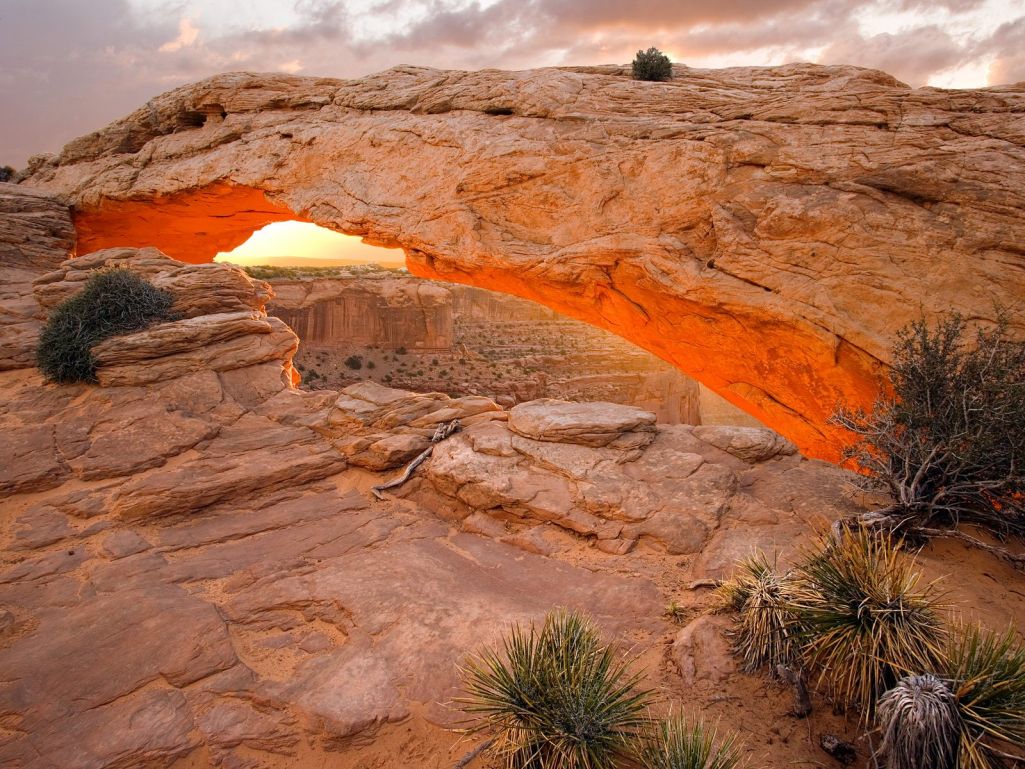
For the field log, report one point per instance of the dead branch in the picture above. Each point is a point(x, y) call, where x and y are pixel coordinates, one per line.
point(442, 432)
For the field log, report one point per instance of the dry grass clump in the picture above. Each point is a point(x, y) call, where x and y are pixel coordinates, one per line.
point(680, 743)
point(114, 301)
point(866, 622)
point(555, 698)
point(987, 673)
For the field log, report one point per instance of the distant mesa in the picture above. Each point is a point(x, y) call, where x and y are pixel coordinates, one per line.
point(302, 261)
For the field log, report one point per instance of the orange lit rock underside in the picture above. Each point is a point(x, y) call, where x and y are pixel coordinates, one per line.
point(188, 228)
point(765, 230)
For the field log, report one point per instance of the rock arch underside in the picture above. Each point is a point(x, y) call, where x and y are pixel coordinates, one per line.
point(765, 230)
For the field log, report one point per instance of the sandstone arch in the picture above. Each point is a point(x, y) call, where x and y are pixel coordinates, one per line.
point(765, 230)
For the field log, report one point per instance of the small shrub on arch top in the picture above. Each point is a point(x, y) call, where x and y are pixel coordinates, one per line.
point(112, 302)
point(652, 64)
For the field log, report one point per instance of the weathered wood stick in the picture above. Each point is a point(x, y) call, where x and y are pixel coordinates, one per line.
point(442, 432)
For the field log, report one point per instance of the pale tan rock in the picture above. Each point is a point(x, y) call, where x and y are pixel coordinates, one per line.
point(667, 497)
point(752, 444)
point(29, 459)
point(21, 318)
point(389, 452)
point(381, 428)
point(170, 338)
point(236, 464)
point(481, 523)
point(543, 540)
point(197, 289)
point(766, 230)
point(36, 231)
point(36, 234)
point(209, 342)
point(702, 654)
point(586, 424)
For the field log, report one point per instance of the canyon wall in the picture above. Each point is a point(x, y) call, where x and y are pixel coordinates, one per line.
point(765, 230)
point(388, 313)
point(477, 304)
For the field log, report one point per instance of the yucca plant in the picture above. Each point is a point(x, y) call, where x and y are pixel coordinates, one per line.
point(555, 698)
point(734, 592)
point(680, 743)
point(866, 622)
point(987, 673)
point(920, 724)
point(768, 630)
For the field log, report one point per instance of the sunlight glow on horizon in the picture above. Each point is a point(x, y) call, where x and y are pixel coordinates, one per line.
point(306, 244)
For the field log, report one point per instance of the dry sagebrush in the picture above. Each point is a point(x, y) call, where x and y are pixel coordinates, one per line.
point(114, 301)
point(948, 443)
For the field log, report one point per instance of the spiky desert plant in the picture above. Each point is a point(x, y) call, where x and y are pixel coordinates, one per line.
point(734, 592)
point(865, 620)
point(555, 698)
point(920, 724)
point(113, 301)
point(681, 743)
point(987, 673)
point(768, 630)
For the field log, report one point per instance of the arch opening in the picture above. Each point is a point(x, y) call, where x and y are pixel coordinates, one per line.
point(299, 244)
point(787, 372)
point(360, 315)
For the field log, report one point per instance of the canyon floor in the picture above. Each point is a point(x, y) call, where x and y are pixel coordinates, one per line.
point(195, 572)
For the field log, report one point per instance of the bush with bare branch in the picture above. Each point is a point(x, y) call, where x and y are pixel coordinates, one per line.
point(949, 443)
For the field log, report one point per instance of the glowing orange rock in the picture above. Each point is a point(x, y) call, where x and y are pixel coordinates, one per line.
point(190, 227)
point(766, 230)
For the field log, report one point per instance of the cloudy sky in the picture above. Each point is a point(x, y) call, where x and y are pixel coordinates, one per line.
point(68, 67)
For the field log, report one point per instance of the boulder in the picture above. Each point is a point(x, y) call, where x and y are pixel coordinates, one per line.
point(702, 653)
point(586, 424)
point(752, 444)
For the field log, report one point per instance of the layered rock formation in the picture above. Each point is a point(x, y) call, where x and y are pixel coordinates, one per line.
point(36, 233)
point(192, 573)
point(765, 230)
